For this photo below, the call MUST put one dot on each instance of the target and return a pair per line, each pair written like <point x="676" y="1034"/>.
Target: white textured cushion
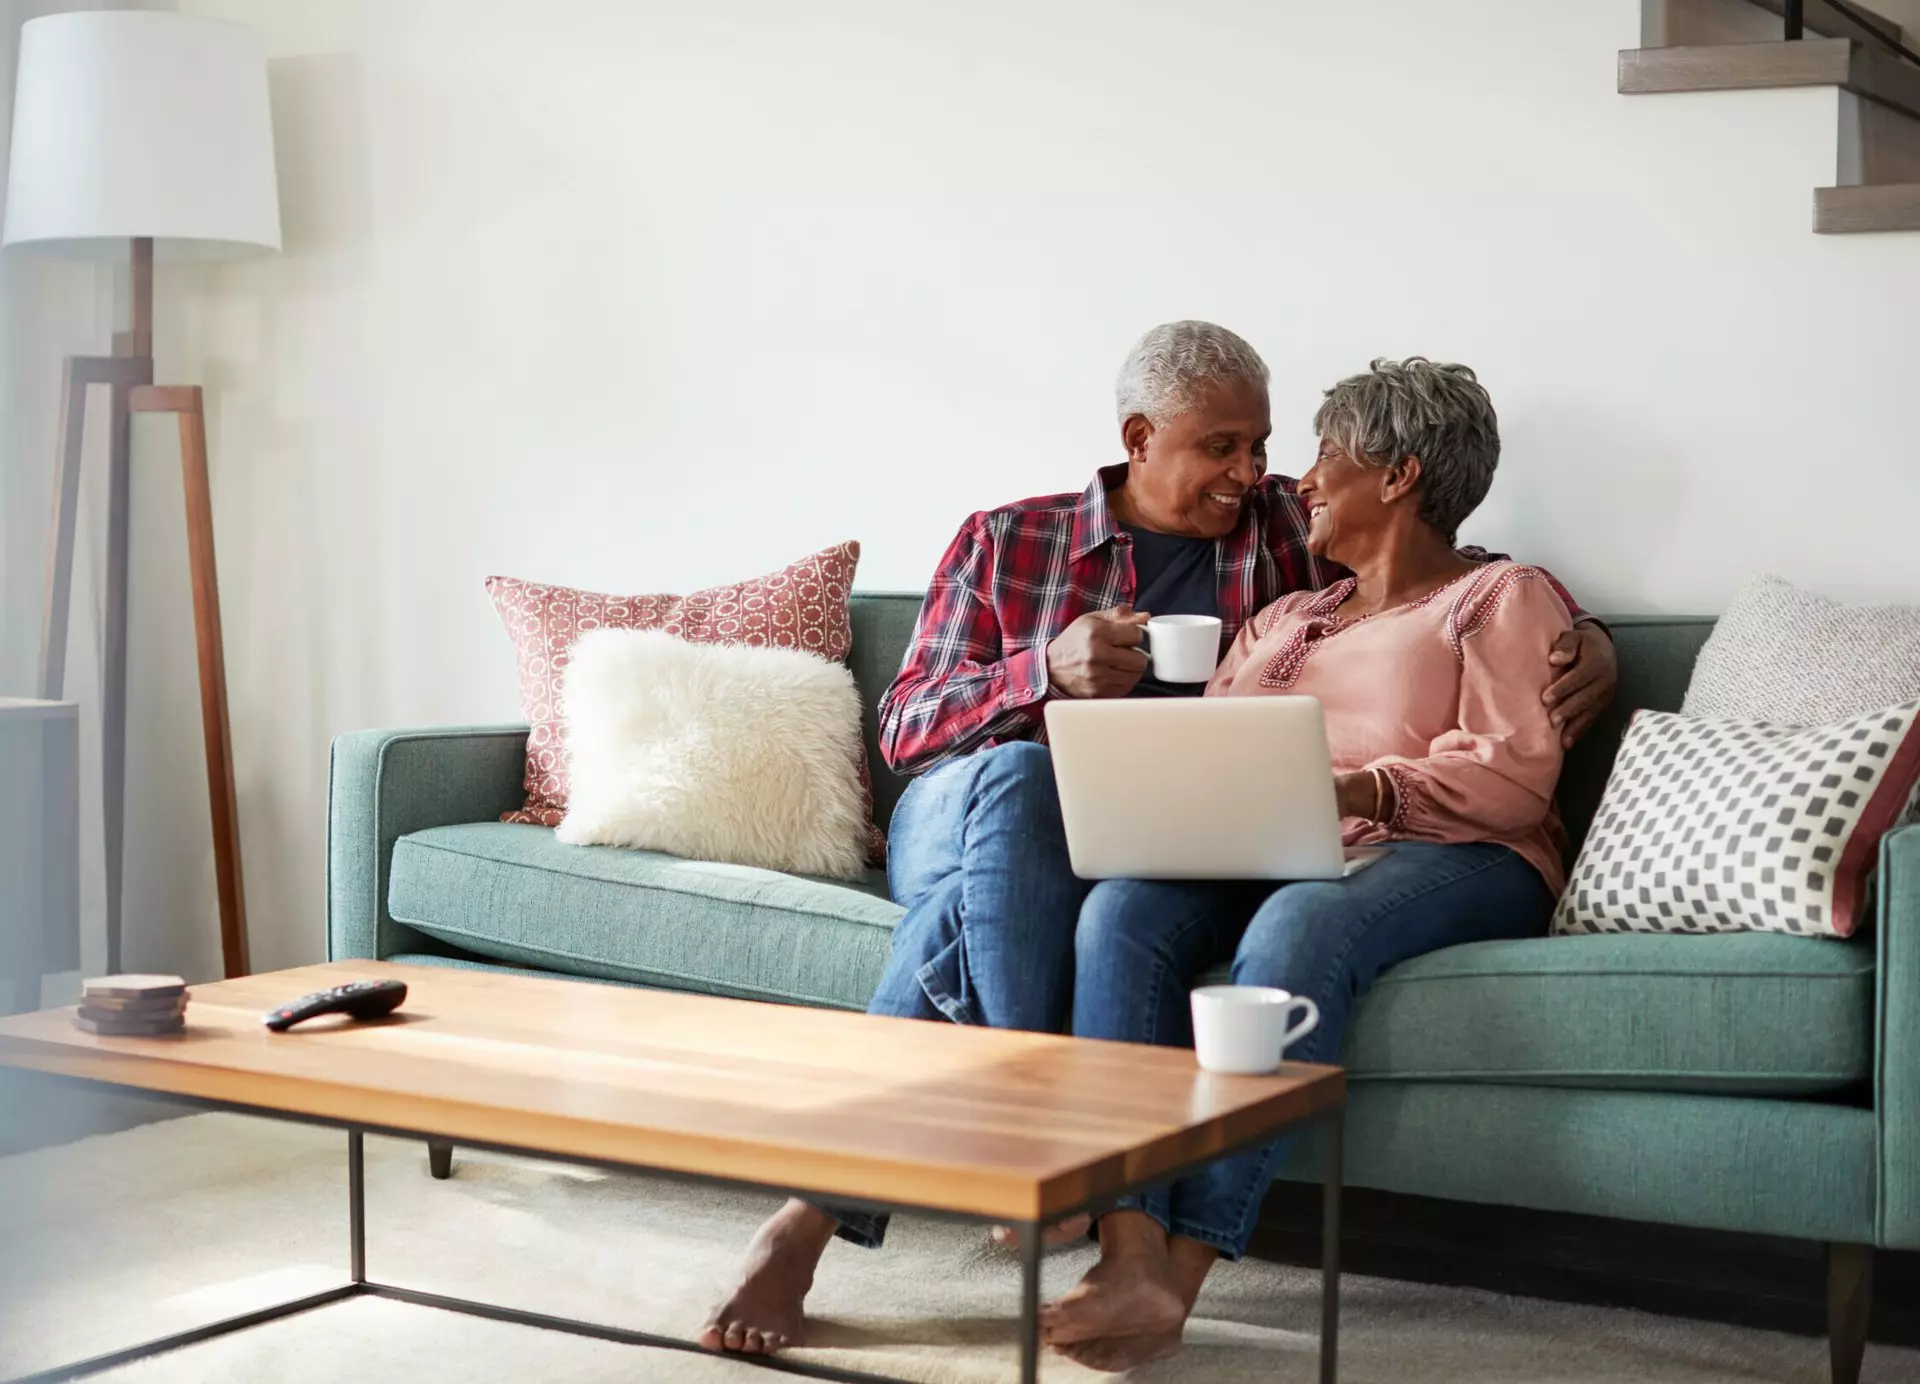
<point x="1740" y="826"/>
<point x="1789" y="656"/>
<point x="714" y="752"/>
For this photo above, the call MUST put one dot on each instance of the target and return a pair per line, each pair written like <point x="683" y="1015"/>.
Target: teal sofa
<point x="1747" y="1082"/>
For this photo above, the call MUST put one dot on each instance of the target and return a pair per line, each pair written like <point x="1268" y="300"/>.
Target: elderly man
<point x="1044" y="599"/>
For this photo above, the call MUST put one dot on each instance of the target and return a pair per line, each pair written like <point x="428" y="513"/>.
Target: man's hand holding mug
<point x="1099" y="654"/>
<point x="1107" y="652"/>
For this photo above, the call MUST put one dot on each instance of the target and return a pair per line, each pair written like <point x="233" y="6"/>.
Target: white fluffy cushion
<point x="1794" y="658"/>
<point x="714" y="752"/>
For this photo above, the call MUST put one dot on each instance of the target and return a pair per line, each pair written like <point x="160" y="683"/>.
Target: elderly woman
<point x="1430" y="669"/>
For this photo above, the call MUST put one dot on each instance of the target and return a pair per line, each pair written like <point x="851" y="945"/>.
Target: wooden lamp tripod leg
<point x="185" y="400"/>
<point x="113" y="669"/>
<point x="66" y="508"/>
<point x="129" y="373"/>
<point x="122" y="375"/>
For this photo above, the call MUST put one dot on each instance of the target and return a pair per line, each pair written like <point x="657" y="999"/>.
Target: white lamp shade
<point x="141" y="123"/>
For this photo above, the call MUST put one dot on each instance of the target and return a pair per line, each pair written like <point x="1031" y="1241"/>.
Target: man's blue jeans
<point x="1140" y="943"/>
<point x="978" y="857"/>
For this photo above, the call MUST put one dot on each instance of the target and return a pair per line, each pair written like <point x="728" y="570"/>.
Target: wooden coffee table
<point x="978" y="1124"/>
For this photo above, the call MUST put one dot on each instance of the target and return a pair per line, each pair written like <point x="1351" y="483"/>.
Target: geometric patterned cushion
<point x="803" y="606"/>
<point x="1742" y="826"/>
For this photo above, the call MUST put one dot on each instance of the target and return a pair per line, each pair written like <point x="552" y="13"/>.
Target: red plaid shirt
<point x="1014" y="578"/>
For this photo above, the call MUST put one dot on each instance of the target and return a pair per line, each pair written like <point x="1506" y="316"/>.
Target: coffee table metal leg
<point x="1330" y="1248"/>
<point x="1031" y="1248"/>
<point x="357" y="1205"/>
<point x="1031" y="1243"/>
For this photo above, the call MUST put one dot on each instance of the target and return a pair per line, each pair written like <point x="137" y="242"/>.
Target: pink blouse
<point x="1442" y="693"/>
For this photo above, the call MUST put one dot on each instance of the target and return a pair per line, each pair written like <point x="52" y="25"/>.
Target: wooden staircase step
<point x="1870" y="207"/>
<point x="1736" y="66"/>
<point x="1871" y="72"/>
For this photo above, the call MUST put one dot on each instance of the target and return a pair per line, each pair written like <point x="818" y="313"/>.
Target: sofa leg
<point x="1849" y="1302"/>
<point x="440" y="1162"/>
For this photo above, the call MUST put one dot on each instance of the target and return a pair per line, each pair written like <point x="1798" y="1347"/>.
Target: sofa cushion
<point x="1797" y="1168"/>
<point x="715" y="752"/>
<point x="803" y="606"/>
<point x="514" y="893"/>
<point x="1742" y="826"/>
<point x="1741" y="1013"/>
<point x="883" y="624"/>
<point x="1656" y="654"/>
<point x="1792" y="657"/>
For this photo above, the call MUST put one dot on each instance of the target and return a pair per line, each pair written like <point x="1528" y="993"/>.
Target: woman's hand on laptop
<point x="1098" y="655"/>
<point x="1367" y="793"/>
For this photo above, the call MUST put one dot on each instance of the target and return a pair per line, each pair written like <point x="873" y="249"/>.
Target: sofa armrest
<point x="387" y="783"/>
<point x="1896" y="1039"/>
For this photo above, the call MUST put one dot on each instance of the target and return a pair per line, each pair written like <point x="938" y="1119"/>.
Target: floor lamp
<point x="135" y="131"/>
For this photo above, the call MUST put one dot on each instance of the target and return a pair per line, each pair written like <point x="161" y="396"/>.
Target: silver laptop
<point x="1198" y="788"/>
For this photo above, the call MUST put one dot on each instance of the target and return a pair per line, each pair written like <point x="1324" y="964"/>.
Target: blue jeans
<point x="1140" y="943"/>
<point x="978" y="857"/>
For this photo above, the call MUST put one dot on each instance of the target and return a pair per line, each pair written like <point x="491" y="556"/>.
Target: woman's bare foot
<point x="764" y="1313"/>
<point x="1117" y="1354"/>
<point x="1132" y="1291"/>
<point x="1132" y="1306"/>
<point x="1069" y="1232"/>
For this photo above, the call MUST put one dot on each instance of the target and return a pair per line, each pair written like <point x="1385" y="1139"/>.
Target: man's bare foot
<point x="764" y="1313"/>
<point x="1069" y="1232"/>
<point x="1117" y="1354"/>
<point x="1132" y="1291"/>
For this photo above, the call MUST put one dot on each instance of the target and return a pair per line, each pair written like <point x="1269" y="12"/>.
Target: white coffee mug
<point x="1184" y="648"/>
<point x="1243" y="1029"/>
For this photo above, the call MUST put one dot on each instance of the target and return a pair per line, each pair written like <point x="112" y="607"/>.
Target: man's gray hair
<point x="1419" y="408"/>
<point x="1172" y="367"/>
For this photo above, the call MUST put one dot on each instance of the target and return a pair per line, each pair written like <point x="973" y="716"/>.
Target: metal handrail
<point x="1795" y="15"/>
<point x="1858" y="18"/>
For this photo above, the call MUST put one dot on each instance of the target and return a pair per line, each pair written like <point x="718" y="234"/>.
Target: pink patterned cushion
<point x="801" y="607"/>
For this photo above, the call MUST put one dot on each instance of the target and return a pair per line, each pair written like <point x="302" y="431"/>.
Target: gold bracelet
<point x="1379" y="795"/>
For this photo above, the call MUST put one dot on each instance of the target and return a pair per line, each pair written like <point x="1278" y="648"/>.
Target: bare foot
<point x="1069" y="1232"/>
<point x="1117" y="1354"/>
<point x="1133" y="1291"/>
<point x="764" y="1313"/>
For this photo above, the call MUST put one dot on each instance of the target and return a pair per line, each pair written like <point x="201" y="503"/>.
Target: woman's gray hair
<point x="1174" y="365"/>
<point x="1419" y="408"/>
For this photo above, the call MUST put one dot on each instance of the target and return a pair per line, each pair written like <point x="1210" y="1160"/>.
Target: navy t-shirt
<point x="1173" y="575"/>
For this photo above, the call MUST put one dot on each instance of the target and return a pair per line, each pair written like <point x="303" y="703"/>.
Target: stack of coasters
<point x="133" y="1006"/>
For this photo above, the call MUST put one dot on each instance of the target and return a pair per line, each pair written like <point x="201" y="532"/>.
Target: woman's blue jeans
<point x="1140" y="943"/>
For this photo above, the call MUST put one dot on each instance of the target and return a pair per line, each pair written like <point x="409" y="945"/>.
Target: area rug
<point x="125" y="1236"/>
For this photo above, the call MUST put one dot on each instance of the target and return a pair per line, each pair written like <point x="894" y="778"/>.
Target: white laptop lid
<point x="1196" y="788"/>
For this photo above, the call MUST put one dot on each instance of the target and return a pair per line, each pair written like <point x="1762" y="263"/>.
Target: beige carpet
<point x="125" y="1236"/>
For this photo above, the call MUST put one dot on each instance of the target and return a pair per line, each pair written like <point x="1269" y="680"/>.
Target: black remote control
<point x="364" y="999"/>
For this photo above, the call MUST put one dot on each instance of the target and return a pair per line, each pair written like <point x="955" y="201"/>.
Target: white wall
<point x="638" y="295"/>
<point x="50" y="310"/>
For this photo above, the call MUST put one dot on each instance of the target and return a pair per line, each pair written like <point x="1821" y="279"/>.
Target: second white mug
<point x="1244" y="1029"/>
<point x="1184" y="648"/>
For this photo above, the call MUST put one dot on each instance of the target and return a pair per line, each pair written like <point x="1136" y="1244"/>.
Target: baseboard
<point x="1745" y="1280"/>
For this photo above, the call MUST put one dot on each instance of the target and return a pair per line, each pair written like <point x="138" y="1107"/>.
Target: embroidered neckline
<point x="1331" y="598"/>
<point x="1321" y="624"/>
